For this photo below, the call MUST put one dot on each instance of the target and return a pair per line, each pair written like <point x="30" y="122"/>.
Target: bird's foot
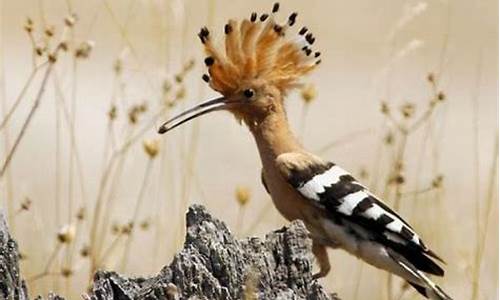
<point x="321" y="254"/>
<point x="321" y="274"/>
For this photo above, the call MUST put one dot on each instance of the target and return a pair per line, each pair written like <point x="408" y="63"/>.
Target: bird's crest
<point x="259" y="48"/>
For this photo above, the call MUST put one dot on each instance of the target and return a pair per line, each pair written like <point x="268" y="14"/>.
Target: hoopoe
<point x="260" y="63"/>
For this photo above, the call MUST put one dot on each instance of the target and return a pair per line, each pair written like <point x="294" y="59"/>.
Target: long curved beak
<point x="194" y="112"/>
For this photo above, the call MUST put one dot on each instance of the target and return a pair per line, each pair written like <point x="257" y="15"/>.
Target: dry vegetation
<point x="126" y="211"/>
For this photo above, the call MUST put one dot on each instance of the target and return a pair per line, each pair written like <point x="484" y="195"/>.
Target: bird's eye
<point x="249" y="93"/>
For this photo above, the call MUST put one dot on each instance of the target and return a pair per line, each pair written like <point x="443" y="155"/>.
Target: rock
<point x="211" y="265"/>
<point x="214" y="265"/>
<point x="12" y="286"/>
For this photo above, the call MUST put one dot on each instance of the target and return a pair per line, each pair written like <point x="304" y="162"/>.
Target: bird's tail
<point x="431" y="291"/>
<point x="425" y="286"/>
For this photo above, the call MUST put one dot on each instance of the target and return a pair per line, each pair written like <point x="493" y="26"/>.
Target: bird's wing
<point x="333" y="189"/>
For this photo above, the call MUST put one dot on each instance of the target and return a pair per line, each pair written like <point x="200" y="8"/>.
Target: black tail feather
<point x="422" y="290"/>
<point x="418" y="258"/>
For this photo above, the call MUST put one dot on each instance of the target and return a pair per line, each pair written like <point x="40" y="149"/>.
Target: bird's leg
<point x="321" y="254"/>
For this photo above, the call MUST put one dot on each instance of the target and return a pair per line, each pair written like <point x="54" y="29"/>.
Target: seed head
<point x="441" y="96"/>
<point x="166" y="86"/>
<point x="52" y="58"/>
<point x="181" y="93"/>
<point x="397" y="179"/>
<point x="363" y="173"/>
<point x="28" y="26"/>
<point x="438" y="181"/>
<point x="242" y="195"/>
<point x="188" y="66"/>
<point x="85" y="251"/>
<point x="70" y="20"/>
<point x="26" y="204"/>
<point x="384" y="108"/>
<point x="127" y="228"/>
<point x="115" y="228"/>
<point x="308" y="93"/>
<point x="39" y="50"/>
<point x="399" y="166"/>
<point x="80" y="215"/>
<point x="151" y="147"/>
<point x="66" y="272"/>
<point x="113" y="112"/>
<point x="66" y="234"/>
<point x="407" y="110"/>
<point x="135" y="111"/>
<point x="63" y="46"/>
<point x="389" y="139"/>
<point x="179" y="78"/>
<point x="84" y="49"/>
<point x="49" y="31"/>
<point x="118" y="66"/>
<point x="145" y="224"/>
<point x="22" y="256"/>
<point x="431" y="77"/>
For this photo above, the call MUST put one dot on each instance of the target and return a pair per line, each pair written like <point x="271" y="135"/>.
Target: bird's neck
<point x="274" y="137"/>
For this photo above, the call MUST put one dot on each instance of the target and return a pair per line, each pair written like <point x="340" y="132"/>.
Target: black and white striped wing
<point x="335" y="190"/>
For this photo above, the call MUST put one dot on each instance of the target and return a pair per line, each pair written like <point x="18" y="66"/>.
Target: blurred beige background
<point x="371" y="51"/>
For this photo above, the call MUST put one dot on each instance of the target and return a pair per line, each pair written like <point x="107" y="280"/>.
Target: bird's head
<point x="260" y="61"/>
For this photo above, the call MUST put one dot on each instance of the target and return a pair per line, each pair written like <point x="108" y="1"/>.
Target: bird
<point x="258" y="63"/>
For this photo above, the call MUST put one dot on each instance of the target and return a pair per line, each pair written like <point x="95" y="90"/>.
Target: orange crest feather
<point x="259" y="48"/>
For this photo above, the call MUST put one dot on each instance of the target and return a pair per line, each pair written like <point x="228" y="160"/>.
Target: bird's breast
<point x="286" y="199"/>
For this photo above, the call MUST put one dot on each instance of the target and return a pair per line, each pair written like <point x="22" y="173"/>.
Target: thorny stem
<point x="6" y="134"/>
<point x="57" y="179"/>
<point x="133" y="139"/>
<point x="110" y="249"/>
<point x="28" y="119"/>
<point x="72" y="145"/>
<point x="24" y="89"/>
<point x="162" y="184"/>
<point x="111" y="197"/>
<point x="397" y="197"/>
<point x="239" y="218"/>
<point x="96" y="215"/>
<point x="46" y="269"/>
<point x="418" y="192"/>
<point x="105" y="169"/>
<point x="187" y="176"/>
<point x="135" y="217"/>
<point x="399" y="159"/>
<point x="121" y="152"/>
<point x="475" y="120"/>
<point x="346" y="139"/>
<point x="123" y="32"/>
<point x="419" y="168"/>
<point x="483" y="232"/>
<point x="33" y="47"/>
<point x="263" y="212"/>
<point x="70" y="123"/>
<point x="303" y="118"/>
<point x="358" y="281"/>
<point x="405" y="131"/>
